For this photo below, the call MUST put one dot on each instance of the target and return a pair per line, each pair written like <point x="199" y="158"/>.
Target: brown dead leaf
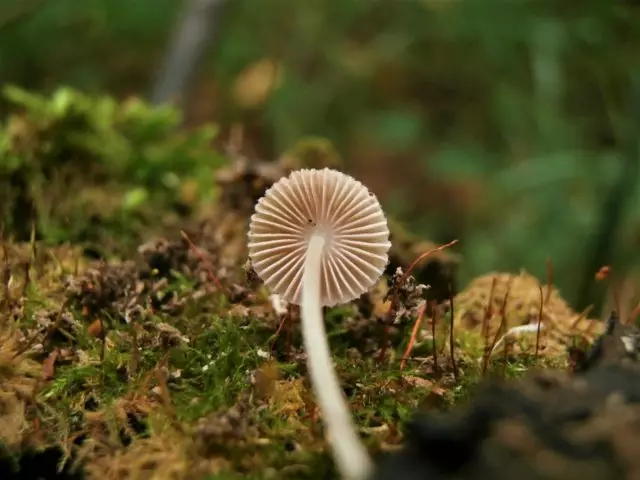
<point x="49" y="365"/>
<point x="256" y="82"/>
<point x="96" y="329"/>
<point x="438" y="391"/>
<point x="417" y="381"/>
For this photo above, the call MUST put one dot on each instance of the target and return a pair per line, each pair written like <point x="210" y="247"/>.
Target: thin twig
<point x="414" y="334"/>
<point x="539" y="321"/>
<point x="504" y="328"/>
<point x="436" y="368"/>
<point x="503" y="310"/>
<point x="454" y="364"/>
<point x="488" y="315"/>
<point x="394" y="297"/>
<point x="285" y="320"/>
<point x="580" y="317"/>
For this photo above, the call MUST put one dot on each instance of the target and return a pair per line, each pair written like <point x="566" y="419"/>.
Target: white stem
<point x="349" y="454"/>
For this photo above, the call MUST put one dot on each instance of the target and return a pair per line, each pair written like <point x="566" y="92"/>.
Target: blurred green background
<point x="512" y="125"/>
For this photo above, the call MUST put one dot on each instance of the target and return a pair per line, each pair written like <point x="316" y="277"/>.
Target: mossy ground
<point x="120" y="349"/>
<point x="141" y="367"/>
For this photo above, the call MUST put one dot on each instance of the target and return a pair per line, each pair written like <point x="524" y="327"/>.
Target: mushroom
<point x="320" y="238"/>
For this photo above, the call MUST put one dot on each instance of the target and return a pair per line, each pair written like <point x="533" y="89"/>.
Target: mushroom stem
<point x="350" y="456"/>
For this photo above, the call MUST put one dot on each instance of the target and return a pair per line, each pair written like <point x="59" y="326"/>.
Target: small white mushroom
<point x="320" y="238"/>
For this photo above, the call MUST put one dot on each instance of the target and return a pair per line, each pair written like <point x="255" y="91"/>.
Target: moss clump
<point x="86" y="169"/>
<point x="19" y="379"/>
<point x="519" y="296"/>
<point x="145" y="354"/>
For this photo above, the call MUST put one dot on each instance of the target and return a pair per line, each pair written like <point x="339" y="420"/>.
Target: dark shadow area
<point x="37" y="465"/>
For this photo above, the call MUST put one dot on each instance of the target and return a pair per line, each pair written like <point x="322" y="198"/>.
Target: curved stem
<point x="350" y="456"/>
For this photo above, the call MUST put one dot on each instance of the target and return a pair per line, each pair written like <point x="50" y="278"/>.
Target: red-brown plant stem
<point x="287" y="325"/>
<point x="580" y="317"/>
<point x="394" y="297"/>
<point x="503" y="314"/>
<point x="615" y="291"/>
<point x="539" y="321"/>
<point x="414" y="334"/>
<point x="605" y="273"/>
<point x="436" y="368"/>
<point x="452" y="347"/>
<point x="488" y="315"/>
<point x="504" y="328"/>
<point x="207" y="265"/>
<point x="285" y="317"/>
<point x="289" y="336"/>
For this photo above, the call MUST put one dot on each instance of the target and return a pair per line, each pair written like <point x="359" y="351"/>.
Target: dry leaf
<point x="49" y="365"/>
<point x="438" y="391"/>
<point x="417" y="381"/>
<point x="96" y="329"/>
<point x="256" y="82"/>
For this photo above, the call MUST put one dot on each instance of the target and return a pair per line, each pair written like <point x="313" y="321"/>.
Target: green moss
<point x="86" y="168"/>
<point x="160" y="372"/>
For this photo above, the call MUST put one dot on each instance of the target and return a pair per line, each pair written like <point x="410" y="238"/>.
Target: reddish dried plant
<point x="396" y="290"/>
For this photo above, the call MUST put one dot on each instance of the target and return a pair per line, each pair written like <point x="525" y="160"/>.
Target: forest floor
<point x="169" y="360"/>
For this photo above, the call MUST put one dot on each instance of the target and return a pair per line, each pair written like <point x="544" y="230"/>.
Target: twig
<point x="436" y="368"/>
<point x="454" y="364"/>
<point x="488" y="315"/>
<point x="286" y="319"/>
<point x="414" y="334"/>
<point x="539" y="321"/>
<point x="427" y="254"/>
<point x="581" y="316"/>
<point x="504" y="327"/>
<point x="394" y="297"/>
<point x="503" y="310"/>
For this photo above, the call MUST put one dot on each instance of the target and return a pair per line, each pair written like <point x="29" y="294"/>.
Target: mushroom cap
<point x="329" y="203"/>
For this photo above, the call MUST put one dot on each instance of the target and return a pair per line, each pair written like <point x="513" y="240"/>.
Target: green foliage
<point x="71" y="158"/>
<point x="82" y="44"/>
<point x="523" y="103"/>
